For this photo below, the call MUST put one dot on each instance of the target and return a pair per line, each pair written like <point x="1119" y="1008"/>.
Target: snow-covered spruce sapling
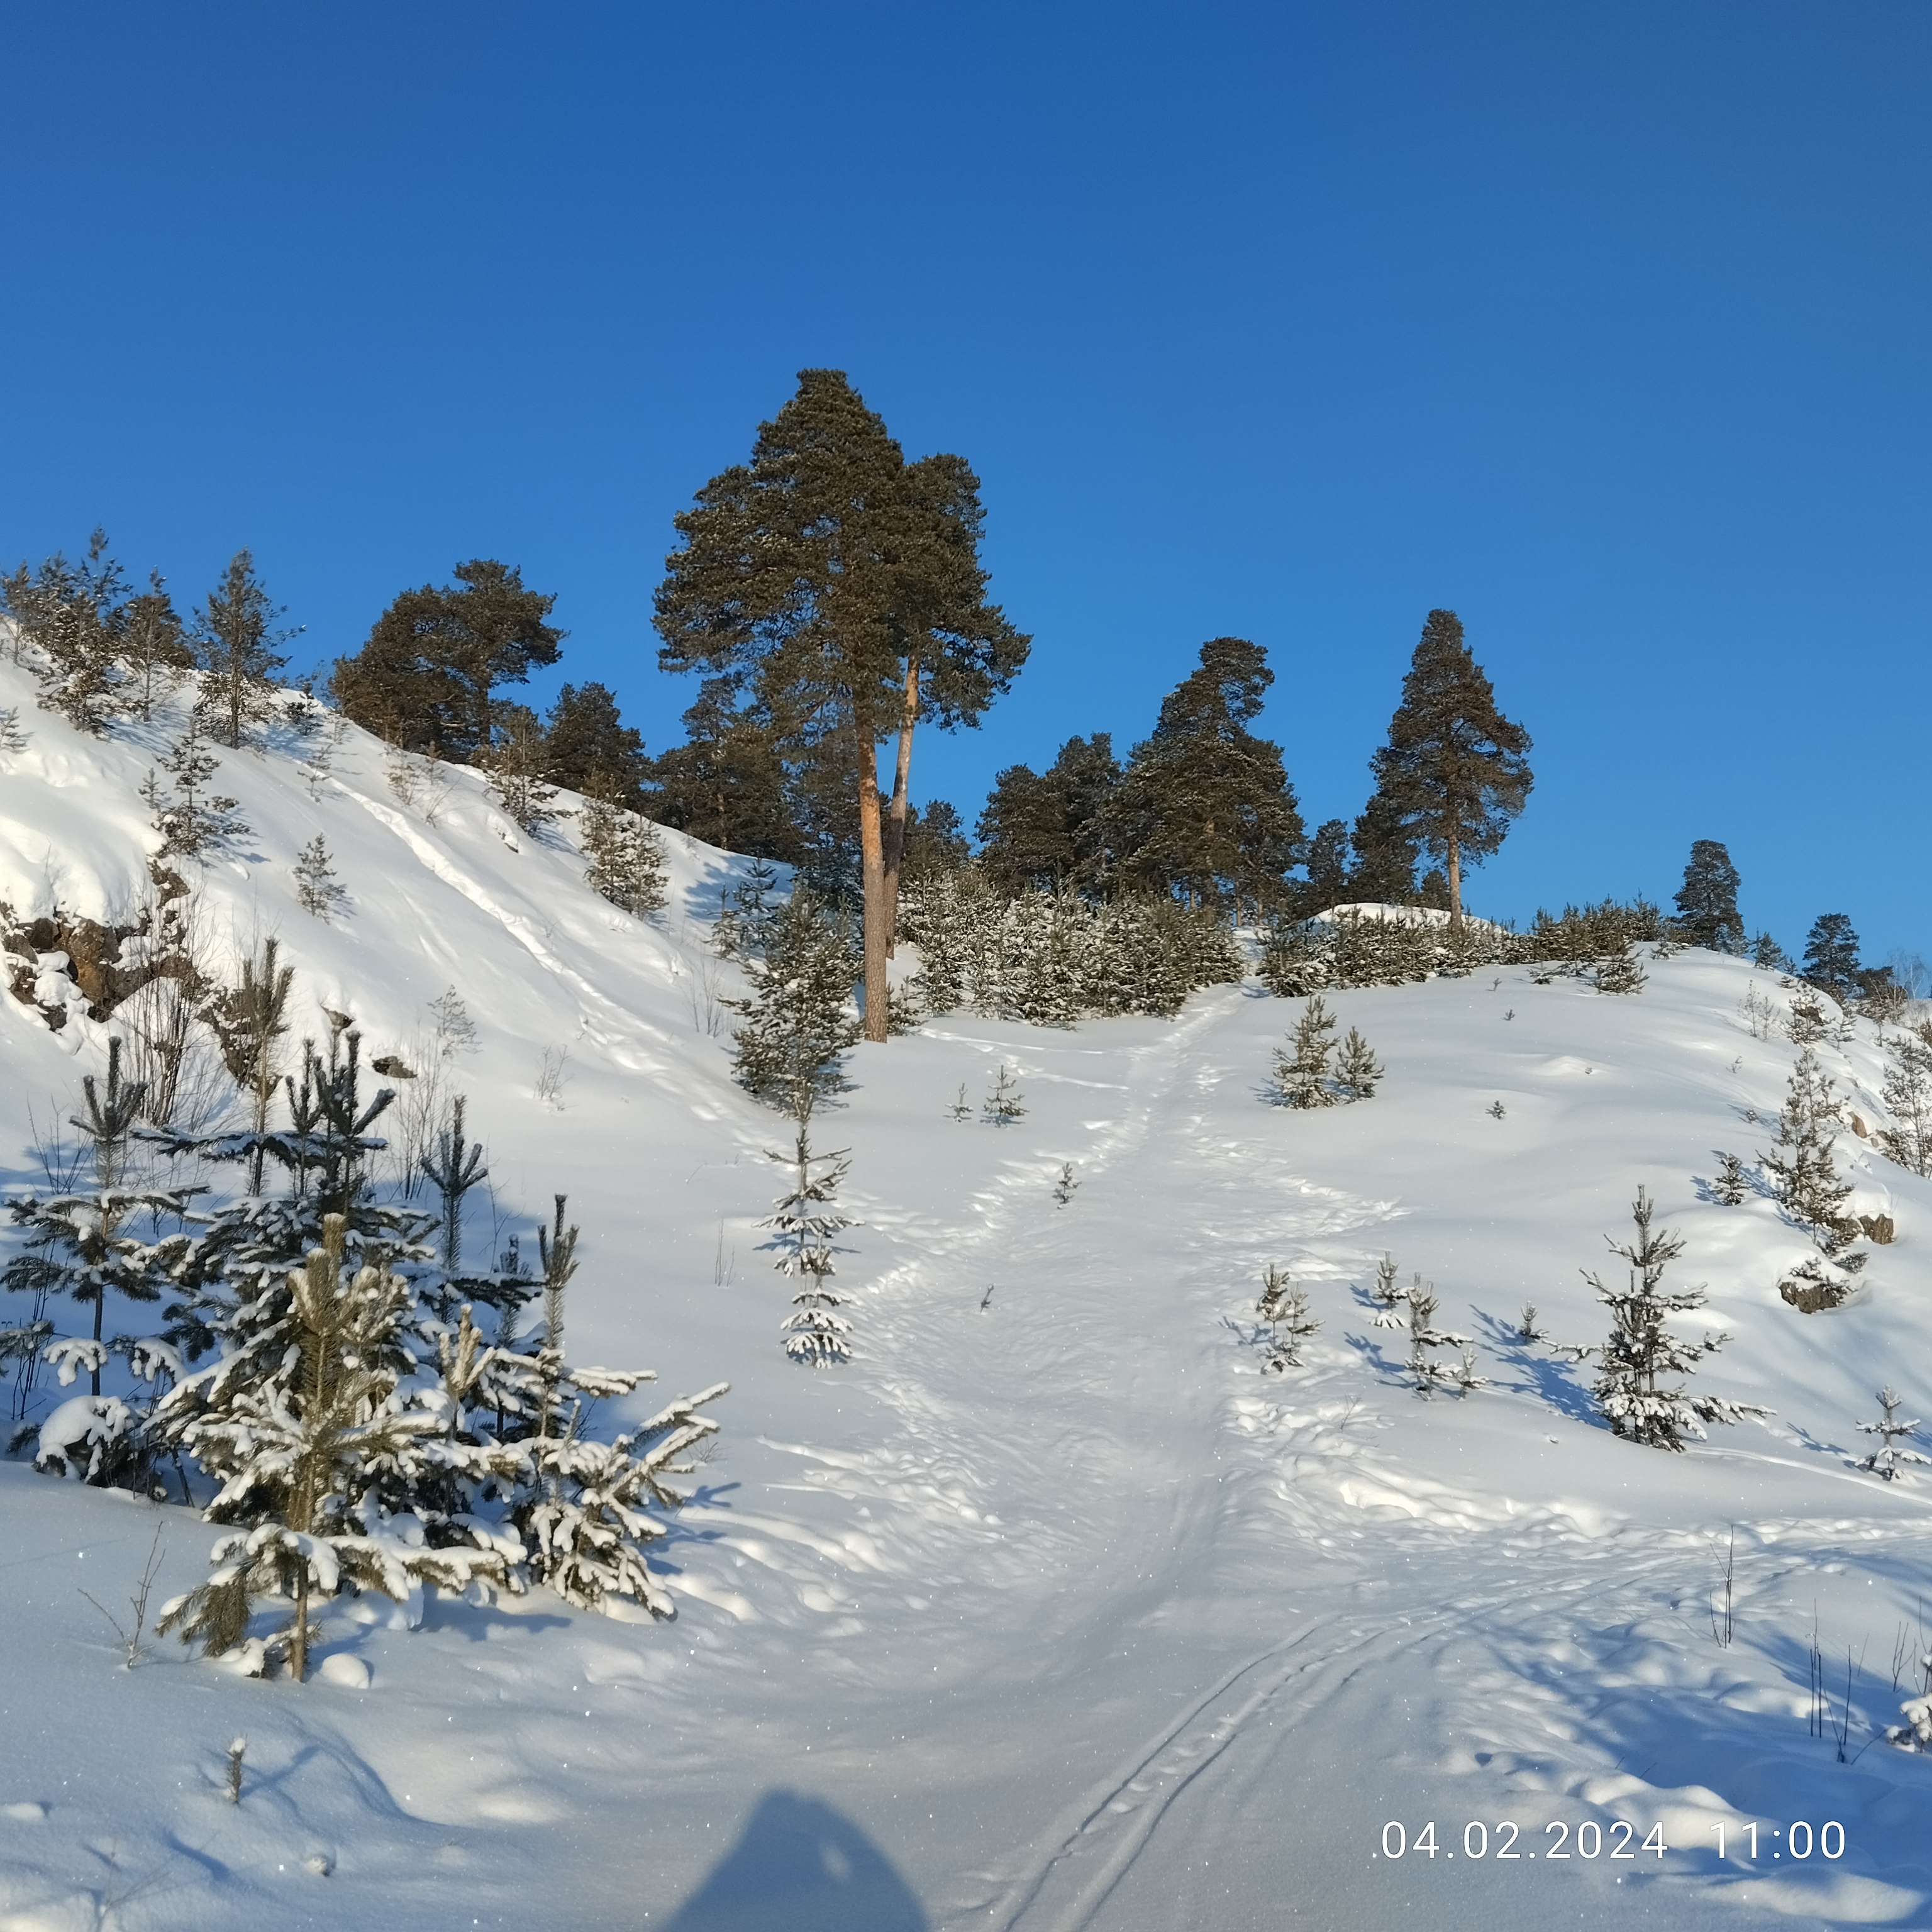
<point x="1283" y="1307"/>
<point x="1621" y="971"/>
<point x="1528" y="1329"/>
<point x="805" y="1227"/>
<point x="798" y="1022"/>
<point x="1637" y="1390"/>
<point x="192" y="820"/>
<point x="1301" y="1068"/>
<point x="1063" y="1188"/>
<point x="250" y="1022"/>
<point x="1887" y="1460"/>
<point x="1389" y="1295"/>
<point x="1357" y="1072"/>
<point x="1804" y="1173"/>
<point x="83" y="1243"/>
<point x="453" y="1169"/>
<point x="1004" y="1102"/>
<point x="1731" y="1188"/>
<point x="317" y="886"/>
<point x="1425" y="1338"/>
<point x="962" y="1108"/>
<point x="305" y="1449"/>
<point x="1496" y="1110"/>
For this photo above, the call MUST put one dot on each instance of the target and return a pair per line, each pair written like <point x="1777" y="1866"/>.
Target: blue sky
<point x="1604" y="325"/>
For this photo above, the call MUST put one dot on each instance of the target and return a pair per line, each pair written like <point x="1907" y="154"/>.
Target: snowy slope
<point x="1051" y="1611"/>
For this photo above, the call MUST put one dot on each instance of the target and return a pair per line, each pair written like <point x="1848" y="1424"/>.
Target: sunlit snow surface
<point x="1056" y="1613"/>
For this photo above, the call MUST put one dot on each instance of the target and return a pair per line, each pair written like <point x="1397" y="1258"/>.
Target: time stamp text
<point x="1619" y="1839"/>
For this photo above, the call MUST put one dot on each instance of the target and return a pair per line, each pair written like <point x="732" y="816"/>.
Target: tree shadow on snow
<point x="799" y="1866"/>
<point x="1554" y="1382"/>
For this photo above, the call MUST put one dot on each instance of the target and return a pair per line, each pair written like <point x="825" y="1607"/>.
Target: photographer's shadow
<point x="799" y="1866"/>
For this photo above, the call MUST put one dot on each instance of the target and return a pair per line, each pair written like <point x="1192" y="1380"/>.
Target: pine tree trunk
<point x="298" y="1648"/>
<point x="872" y="872"/>
<point x="895" y="816"/>
<point x="99" y="1311"/>
<point x="1455" y="883"/>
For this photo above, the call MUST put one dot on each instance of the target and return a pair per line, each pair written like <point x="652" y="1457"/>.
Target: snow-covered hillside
<point x="1051" y="1610"/>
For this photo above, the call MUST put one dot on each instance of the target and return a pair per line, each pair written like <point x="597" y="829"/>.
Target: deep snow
<point x="1051" y="1610"/>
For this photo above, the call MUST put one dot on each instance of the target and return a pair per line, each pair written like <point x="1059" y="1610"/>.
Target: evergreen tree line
<point x="102" y="652"/>
<point x="371" y="1407"/>
<point x="1202" y="810"/>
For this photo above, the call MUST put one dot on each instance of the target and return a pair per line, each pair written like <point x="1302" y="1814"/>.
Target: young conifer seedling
<point x="1887" y="1459"/>
<point x="1005" y="1103"/>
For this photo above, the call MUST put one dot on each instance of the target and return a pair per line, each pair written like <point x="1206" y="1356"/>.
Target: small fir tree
<point x="805" y="1228"/>
<point x="798" y="1023"/>
<point x="1707" y="901"/>
<point x="513" y="761"/>
<point x="250" y="1022"/>
<point x="1425" y="1338"/>
<point x="1357" y="1072"/>
<point x="193" y="821"/>
<point x="746" y="913"/>
<point x="1731" y="1188"/>
<point x="86" y="1244"/>
<point x="315" y="883"/>
<point x="626" y="857"/>
<point x="1301" y="1071"/>
<point x="1004" y="1102"/>
<point x="453" y="1169"/>
<point x="1887" y="1459"/>
<point x="74" y="615"/>
<point x="1621" y="972"/>
<point x="1283" y="1307"/>
<point x="153" y="647"/>
<point x="1389" y="1297"/>
<point x="301" y="1453"/>
<point x="238" y="641"/>
<point x="1767" y="954"/>
<point x="1908" y="1098"/>
<point x="1807" y="1023"/>
<point x="1637" y="1390"/>
<point x="1803" y="1169"/>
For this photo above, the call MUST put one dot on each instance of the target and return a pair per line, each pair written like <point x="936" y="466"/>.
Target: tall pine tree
<point x="844" y="584"/>
<point x="1206" y="811"/>
<point x="1707" y="901"/>
<point x="1454" y="768"/>
<point x="1831" y="957"/>
<point x="427" y="678"/>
